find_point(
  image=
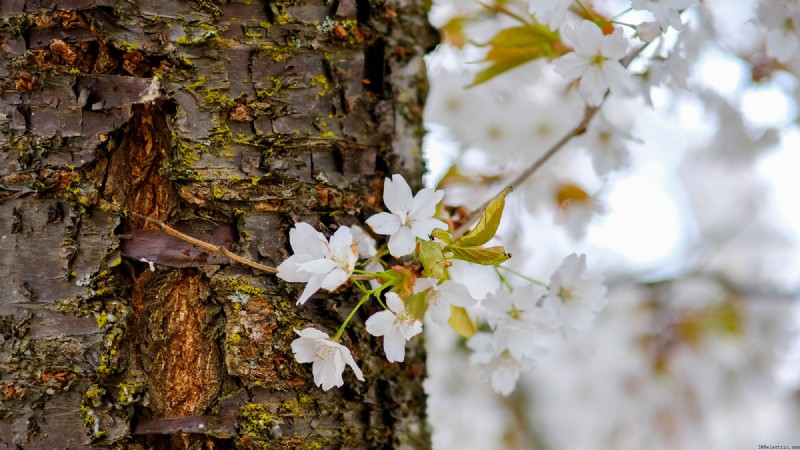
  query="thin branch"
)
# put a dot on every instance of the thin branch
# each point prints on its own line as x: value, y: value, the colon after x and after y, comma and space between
x: 575, y: 132
x: 219, y: 250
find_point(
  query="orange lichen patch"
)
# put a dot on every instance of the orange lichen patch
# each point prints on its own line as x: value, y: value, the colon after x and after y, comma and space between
x: 323, y: 196
x: 13, y: 390
x: 339, y: 32
x: 569, y: 193
x: 63, y: 50
x: 25, y: 82
x: 296, y: 382
x: 135, y: 64
x: 62, y: 377
x: 18, y: 177
x: 269, y: 205
x: 350, y: 202
x: 241, y: 113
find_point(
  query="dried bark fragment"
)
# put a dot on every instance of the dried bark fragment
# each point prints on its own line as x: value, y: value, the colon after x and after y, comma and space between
x: 175, y: 346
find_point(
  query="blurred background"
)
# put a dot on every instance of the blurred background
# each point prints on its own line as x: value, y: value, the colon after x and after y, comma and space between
x: 692, y: 215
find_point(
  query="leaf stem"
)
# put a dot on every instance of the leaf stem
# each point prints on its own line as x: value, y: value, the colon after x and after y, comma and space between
x: 503, y: 280
x: 521, y: 275
x: 340, y: 331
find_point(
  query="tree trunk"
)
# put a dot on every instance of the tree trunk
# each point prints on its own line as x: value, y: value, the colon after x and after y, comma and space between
x: 231, y: 121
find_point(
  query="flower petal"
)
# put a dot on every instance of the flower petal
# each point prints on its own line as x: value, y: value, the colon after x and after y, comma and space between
x: 423, y: 284
x: 334, y: 279
x: 423, y: 228
x: 342, y: 243
x: 409, y: 330
x: 571, y: 66
x: 303, y: 349
x: 380, y: 323
x: 395, y: 304
x: 311, y: 333
x: 384, y: 223
x: 317, y: 266
x: 394, y: 345
x: 438, y: 310
x: 306, y: 240
x: 289, y: 269
x: 402, y: 242
x: 348, y: 358
x: 424, y: 204
x: 397, y: 194
x: 456, y: 294
x: 313, y: 286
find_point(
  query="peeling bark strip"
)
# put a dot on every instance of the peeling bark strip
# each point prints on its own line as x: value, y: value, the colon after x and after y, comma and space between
x: 233, y: 120
x: 176, y: 348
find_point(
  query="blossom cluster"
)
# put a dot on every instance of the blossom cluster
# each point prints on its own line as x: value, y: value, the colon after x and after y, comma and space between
x: 523, y: 321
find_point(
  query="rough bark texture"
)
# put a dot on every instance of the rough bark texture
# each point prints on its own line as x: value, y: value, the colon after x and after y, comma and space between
x: 231, y: 121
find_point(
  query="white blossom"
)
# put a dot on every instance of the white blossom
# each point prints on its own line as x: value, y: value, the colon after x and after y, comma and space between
x: 328, y: 358
x: 441, y: 296
x: 575, y: 298
x: 395, y: 325
x: 519, y: 325
x: 501, y: 369
x: 607, y: 145
x: 595, y: 60
x: 553, y: 13
x: 648, y: 31
x: 575, y: 208
x: 317, y: 262
x: 666, y: 12
x: 782, y: 21
x: 364, y: 242
x: 409, y: 215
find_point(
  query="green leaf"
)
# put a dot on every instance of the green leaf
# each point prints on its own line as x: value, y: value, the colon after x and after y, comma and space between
x: 461, y: 322
x: 488, y: 223
x: 433, y: 260
x: 416, y: 305
x: 442, y: 235
x: 479, y: 255
x: 514, y: 46
x: 498, y: 68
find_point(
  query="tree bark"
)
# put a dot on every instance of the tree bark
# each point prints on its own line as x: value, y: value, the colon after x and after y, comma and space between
x: 231, y: 121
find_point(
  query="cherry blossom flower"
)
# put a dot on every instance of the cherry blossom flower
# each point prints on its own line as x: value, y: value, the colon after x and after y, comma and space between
x: 317, y: 262
x: 595, y: 60
x: 607, y: 145
x: 500, y: 368
x: 395, y: 325
x: 666, y: 12
x: 575, y: 298
x: 553, y: 13
x: 409, y: 215
x: 366, y: 249
x: 782, y: 20
x: 575, y: 208
x: 648, y: 31
x: 328, y: 358
x: 519, y: 325
x: 441, y: 296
